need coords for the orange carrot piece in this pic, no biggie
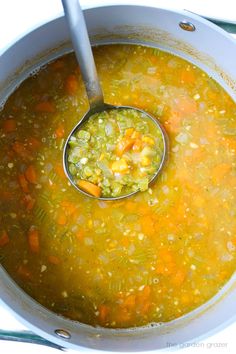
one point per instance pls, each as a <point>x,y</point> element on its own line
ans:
<point>29,202</point>
<point>60,131</point>
<point>146,292</point>
<point>62,219</point>
<point>130,301</point>
<point>31,175</point>
<point>147,225</point>
<point>186,105</point>
<point>21,150</point>
<point>220,171</point>
<point>54,260</point>
<point>137,146</point>
<point>69,207</point>
<point>124,241</point>
<point>9,126</point>
<point>60,170</point>
<point>71,85</point>
<point>187,76</point>
<point>80,235</point>
<point>166,255</point>
<point>45,107</point>
<point>179,277</point>
<point>90,188</point>
<point>103,312</point>
<point>33,143</point>
<point>4,239</point>
<point>23,183</point>
<point>124,145</point>
<point>173,123</point>
<point>129,132</point>
<point>33,239</point>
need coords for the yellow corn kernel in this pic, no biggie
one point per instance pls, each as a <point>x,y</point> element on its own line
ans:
<point>148,140</point>
<point>101,157</point>
<point>145,161</point>
<point>120,166</point>
<point>129,131</point>
<point>135,135</point>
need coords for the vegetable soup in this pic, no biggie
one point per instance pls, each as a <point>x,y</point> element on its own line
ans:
<point>152,257</point>
<point>117,152</point>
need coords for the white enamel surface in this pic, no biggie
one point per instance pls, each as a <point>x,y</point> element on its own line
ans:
<point>207,37</point>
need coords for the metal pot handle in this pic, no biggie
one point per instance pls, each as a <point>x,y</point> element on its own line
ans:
<point>27,337</point>
<point>30,337</point>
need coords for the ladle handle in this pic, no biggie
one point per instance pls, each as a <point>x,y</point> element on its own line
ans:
<point>81,43</point>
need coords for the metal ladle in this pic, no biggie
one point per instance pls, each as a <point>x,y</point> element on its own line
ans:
<point>80,39</point>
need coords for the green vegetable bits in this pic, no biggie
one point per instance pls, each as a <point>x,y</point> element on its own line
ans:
<point>118,151</point>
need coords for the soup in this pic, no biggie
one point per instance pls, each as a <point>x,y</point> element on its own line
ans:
<point>117,152</point>
<point>152,257</point>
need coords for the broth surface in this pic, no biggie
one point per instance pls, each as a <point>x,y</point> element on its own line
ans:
<point>150,258</point>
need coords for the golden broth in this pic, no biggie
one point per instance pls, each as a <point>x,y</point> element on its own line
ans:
<point>152,257</point>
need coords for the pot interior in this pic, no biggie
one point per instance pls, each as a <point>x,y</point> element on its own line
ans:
<point>147,26</point>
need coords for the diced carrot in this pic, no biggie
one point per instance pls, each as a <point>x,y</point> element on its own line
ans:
<point>33,143</point>
<point>145,308</point>
<point>120,166</point>
<point>60,170</point>
<point>62,219</point>
<point>80,235</point>
<point>90,188</point>
<point>23,183</point>
<point>24,272</point>
<point>60,131</point>
<point>54,260</point>
<point>103,312</point>
<point>71,85</point>
<point>4,239</point>
<point>29,202</point>
<point>179,277</point>
<point>124,241</point>
<point>234,241</point>
<point>21,150</point>
<point>124,145</point>
<point>220,171</point>
<point>33,239</point>
<point>9,126</point>
<point>147,225</point>
<point>6,195</point>
<point>30,174</point>
<point>166,255</point>
<point>146,292</point>
<point>130,301</point>
<point>69,207</point>
<point>136,135</point>
<point>130,206</point>
<point>173,123</point>
<point>129,132</point>
<point>123,315</point>
<point>160,268</point>
<point>187,76</point>
<point>45,107</point>
<point>229,142</point>
<point>185,105</point>
<point>138,145</point>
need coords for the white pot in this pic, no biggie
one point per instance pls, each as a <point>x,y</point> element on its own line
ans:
<point>210,48</point>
